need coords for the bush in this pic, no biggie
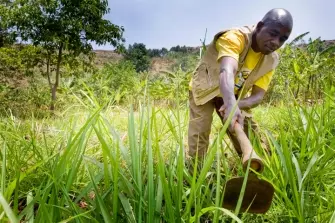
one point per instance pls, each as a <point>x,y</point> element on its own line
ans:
<point>23,101</point>
<point>112,84</point>
<point>139,56</point>
<point>19,60</point>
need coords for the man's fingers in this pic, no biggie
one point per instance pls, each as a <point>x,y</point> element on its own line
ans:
<point>232,124</point>
<point>222,108</point>
<point>222,114</point>
<point>241,121</point>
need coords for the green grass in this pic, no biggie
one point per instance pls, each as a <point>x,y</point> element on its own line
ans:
<point>119,165</point>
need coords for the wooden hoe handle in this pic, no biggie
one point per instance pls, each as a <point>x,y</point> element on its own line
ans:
<point>256,162</point>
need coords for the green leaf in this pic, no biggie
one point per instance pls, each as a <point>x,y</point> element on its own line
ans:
<point>309,167</point>
<point>296,68</point>
<point>223,210</point>
<point>127,208</point>
<point>332,220</point>
<point>10,214</point>
<point>103,208</point>
<point>30,203</point>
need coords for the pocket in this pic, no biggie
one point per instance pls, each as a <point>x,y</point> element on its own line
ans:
<point>214,76</point>
<point>201,77</point>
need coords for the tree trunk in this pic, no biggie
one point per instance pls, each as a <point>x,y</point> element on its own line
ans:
<point>53,97</point>
<point>55,86</point>
<point>48,71</point>
<point>1,38</point>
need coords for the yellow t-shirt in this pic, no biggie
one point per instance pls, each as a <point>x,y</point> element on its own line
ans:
<point>231,44</point>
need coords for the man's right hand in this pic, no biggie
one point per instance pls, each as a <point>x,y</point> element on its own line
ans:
<point>225,111</point>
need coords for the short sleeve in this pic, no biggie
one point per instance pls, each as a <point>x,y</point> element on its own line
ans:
<point>230,44</point>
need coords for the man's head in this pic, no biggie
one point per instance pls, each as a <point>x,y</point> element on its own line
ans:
<point>272,31</point>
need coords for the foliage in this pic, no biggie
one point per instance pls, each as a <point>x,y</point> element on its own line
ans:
<point>187,63</point>
<point>19,60</point>
<point>181,49</point>
<point>97,162</point>
<point>23,100</point>
<point>7,37</point>
<point>23,88</point>
<point>169,86</point>
<point>59,25</point>
<point>139,56</point>
<point>113,166</point>
<point>157,52</point>
<point>116,81</point>
<point>305,71</point>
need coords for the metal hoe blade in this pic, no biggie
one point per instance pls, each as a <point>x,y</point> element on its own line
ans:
<point>257,196</point>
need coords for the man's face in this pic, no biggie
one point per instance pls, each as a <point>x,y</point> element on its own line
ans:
<point>269,38</point>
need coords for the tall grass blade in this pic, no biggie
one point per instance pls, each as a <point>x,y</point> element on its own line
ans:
<point>134,153</point>
<point>309,167</point>
<point>101,204</point>
<point>78,216</point>
<point>10,214</point>
<point>3,171</point>
<point>159,193</point>
<point>166,187</point>
<point>223,210</point>
<point>151,189</point>
<point>240,199</point>
<point>332,220</point>
<point>127,208</point>
<point>159,200</point>
<point>116,186</point>
<point>218,184</point>
<point>30,204</point>
<point>297,169</point>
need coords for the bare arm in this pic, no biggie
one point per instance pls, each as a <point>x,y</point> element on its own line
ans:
<point>228,68</point>
<point>254,100</point>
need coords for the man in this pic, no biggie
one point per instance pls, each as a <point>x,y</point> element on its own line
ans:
<point>238,61</point>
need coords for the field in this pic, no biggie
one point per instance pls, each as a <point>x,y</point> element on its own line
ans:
<point>104,139</point>
<point>114,164</point>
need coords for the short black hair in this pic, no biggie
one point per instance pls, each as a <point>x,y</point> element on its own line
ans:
<point>278,16</point>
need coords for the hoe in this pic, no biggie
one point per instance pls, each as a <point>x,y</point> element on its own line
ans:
<point>258,193</point>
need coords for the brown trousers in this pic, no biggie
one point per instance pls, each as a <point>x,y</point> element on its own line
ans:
<point>201,117</point>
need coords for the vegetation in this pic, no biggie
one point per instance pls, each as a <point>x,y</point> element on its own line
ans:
<point>139,56</point>
<point>306,70</point>
<point>104,164</point>
<point>158,52</point>
<point>60,25</point>
<point>115,148</point>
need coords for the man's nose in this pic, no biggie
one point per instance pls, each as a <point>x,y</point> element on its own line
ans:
<point>275,42</point>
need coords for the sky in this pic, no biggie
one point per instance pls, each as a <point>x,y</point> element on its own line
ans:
<point>167,23</point>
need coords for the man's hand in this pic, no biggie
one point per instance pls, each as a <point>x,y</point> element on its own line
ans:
<point>254,100</point>
<point>237,116</point>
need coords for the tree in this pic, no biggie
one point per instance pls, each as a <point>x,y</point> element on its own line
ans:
<point>68,26</point>
<point>6,36</point>
<point>139,56</point>
<point>157,52</point>
<point>164,51</point>
<point>154,52</point>
<point>181,49</point>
